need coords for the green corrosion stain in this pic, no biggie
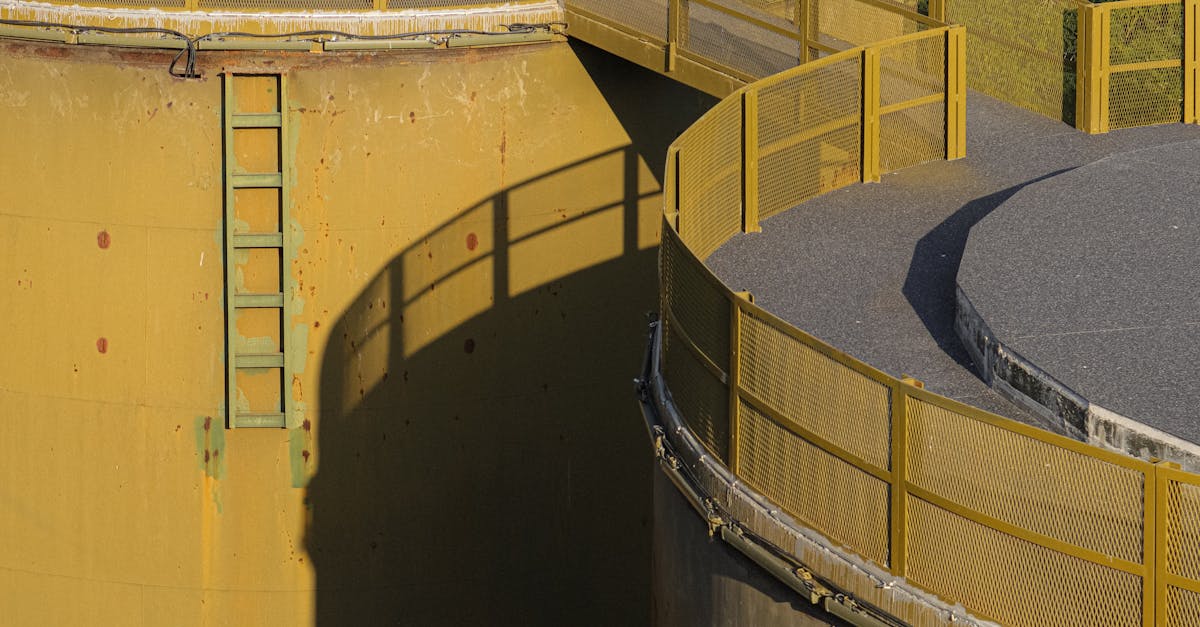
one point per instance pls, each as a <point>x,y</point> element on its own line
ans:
<point>210,446</point>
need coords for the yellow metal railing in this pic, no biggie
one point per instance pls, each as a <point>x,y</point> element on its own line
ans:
<point>1018,525</point>
<point>1101,65</point>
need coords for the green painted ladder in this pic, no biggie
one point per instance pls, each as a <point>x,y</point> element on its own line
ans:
<point>255,122</point>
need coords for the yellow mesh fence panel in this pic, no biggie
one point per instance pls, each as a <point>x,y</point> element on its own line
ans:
<point>1138,35</point>
<point>911,136</point>
<point>1023,52</point>
<point>693,297</point>
<point>710,179</point>
<point>809,135</point>
<point>1183,530</point>
<point>814,391</point>
<point>844,24</point>
<point>130,4</point>
<point>648,19</point>
<point>824,492</point>
<point>910,71</point>
<point>702,399</point>
<point>738,44</point>
<point>1034,485</point>
<point>1183,608</point>
<point>1012,581</point>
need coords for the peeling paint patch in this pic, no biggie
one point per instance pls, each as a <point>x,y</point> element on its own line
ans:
<point>302,454</point>
<point>210,446</point>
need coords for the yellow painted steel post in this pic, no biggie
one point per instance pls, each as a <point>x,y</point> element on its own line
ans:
<point>681,195</point>
<point>380,5</point>
<point>803,23</point>
<point>1092,84</point>
<point>956,92</point>
<point>671,188</point>
<point>750,161</point>
<point>1190,62</point>
<point>1159,515</point>
<point>870,115</point>
<point>735,347</point>
<point>1102,39</point>
<point>937,10</point>
<point>674,28</point>
<point>898,520</point>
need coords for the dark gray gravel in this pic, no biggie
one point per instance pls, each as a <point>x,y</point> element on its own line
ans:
<point>871,268</point>
<point>1092,275</point>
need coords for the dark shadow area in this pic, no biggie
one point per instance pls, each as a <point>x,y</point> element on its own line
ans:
<point>701,580</point>
<point>930,283</point>
<point>481,459</point>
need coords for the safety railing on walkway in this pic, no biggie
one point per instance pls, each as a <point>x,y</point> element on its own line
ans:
<point>1018,525</point>
<point>1097,65</point>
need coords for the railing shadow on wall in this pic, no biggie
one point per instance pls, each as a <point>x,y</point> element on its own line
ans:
<point>472,456</point>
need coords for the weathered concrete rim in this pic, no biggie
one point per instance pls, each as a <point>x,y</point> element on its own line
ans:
<point>1021,381</point>
<point>707,477</point>
<point>363,23</point>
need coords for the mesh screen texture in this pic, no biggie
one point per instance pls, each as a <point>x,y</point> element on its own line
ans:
<point>815,392</point>
<point>1151,33</point>
<point>710,179</point>
<point>692,295</point>
<point>844,24</point>
<point>702,399</point>
<point>1023,53</point>
<point>829,495</point>
<point>911,136</point>
<point>1183,530</point>
<point>1012,581</point>
<point>738,44</point>
<point>1137,35</point>
<point>638,16</point>
<point>1031,484</point>
<point>1145,97</point>
<point>1183,608</point>
<point>913,69</point>
<point>809,135</point>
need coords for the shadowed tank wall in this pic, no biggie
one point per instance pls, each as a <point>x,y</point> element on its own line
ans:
<point>477,234</point>
<point>700,580</point>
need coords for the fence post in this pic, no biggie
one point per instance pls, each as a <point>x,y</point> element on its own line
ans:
<point>1156,526</point>
<point>802,19</point>
<point>898,521</point>
<point>735,349</point>
<point>870,115</point>
<point>674,26</point>
<point>750,161</point>
<point>956,92</point>
<point>937,10</point>
<point>1190,63</point>
<point>1092,58</point>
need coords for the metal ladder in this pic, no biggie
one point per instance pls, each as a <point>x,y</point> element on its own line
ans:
<point>258,284</point>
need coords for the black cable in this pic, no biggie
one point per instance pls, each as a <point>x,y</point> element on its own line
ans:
<point>190,44</point>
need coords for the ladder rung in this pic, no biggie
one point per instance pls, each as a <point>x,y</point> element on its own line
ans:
<point>259,360</point>
<point>258,240</point>
<point>257,120</point>
<point>269,179</point>
<point>257,301</point>
<point>275,420</point>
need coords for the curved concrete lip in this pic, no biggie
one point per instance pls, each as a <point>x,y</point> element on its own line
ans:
<point>1080,295</point>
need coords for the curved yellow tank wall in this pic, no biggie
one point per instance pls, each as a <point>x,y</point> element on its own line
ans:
<point>477,241</point>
